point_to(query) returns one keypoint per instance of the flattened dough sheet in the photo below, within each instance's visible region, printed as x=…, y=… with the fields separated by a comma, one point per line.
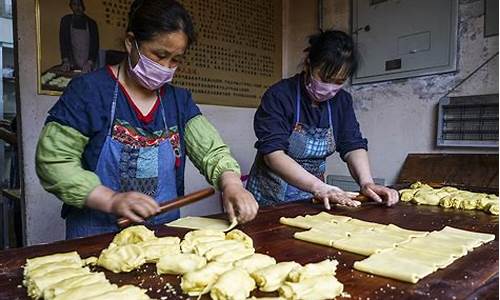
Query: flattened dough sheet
x=203, y=223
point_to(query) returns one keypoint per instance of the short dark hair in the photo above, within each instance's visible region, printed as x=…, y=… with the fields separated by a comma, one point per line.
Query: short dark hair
x=331, y=51
x=81, y=3
x=148, y=18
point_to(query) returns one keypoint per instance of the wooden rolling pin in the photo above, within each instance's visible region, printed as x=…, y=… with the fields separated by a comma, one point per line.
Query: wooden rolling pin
x=176, y=203
x=360, y=198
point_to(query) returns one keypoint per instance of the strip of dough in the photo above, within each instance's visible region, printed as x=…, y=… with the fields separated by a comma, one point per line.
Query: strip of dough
x=203, y=223
x=270, y=278
x=235, y=284
x=128, y=292
x=202, y=248
x=133, y=235
x=200, y=282
x=154, y=249
x=36, y=285
x=32, y=263
x=325, y=267
x=73, y=282
x=357, y=242
x=180, y=263
x=122, y=258
x=314, y=288
x=393, y=266
x=86, y=291
x=396, y=230
x=430, y=259
x=239, y=235
x=435, y=246
x=220, y=250
x=255, y=262
x=483, y=237
x=234, y=255
x=318, y=237
x=52, y=266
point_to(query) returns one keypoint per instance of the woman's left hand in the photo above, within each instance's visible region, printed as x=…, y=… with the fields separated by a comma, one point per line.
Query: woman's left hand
x=239, y=203
x=380, y=193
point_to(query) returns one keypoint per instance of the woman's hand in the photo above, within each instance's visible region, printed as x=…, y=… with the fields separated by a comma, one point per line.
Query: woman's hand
x=331, y=194
x=238, y=202
x=380, y=193
x=134, y=206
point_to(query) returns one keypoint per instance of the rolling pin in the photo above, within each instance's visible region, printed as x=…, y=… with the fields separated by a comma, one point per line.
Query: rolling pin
x=176, y=203
x=359, y=197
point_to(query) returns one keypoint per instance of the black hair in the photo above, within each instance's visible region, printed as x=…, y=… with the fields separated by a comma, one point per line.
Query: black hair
x=148, y=18
x=331, y=51
x=81, y=3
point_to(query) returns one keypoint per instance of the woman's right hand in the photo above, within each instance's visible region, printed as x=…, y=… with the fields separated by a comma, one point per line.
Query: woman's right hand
x=134, y=206
x=331, y=194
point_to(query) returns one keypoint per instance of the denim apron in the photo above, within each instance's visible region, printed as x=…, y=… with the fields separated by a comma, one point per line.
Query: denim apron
x=309, y=146
x=123, y=167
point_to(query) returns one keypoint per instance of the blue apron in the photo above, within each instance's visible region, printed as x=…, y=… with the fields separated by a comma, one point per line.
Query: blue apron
x=309, y=146
x=123, y=168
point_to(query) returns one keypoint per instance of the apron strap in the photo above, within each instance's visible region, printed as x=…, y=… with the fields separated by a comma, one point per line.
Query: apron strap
x=113, y=104
x=297, y=106
x=162, y=110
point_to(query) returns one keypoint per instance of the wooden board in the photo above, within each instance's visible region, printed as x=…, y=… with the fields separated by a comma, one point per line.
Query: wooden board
x=475, y=275
x=477, y=172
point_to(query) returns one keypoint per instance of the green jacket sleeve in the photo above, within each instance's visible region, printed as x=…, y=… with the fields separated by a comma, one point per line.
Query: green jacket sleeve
x=58, y=164
x=207, y=150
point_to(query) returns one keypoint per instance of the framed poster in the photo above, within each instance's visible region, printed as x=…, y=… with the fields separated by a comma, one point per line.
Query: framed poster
x=75, y=37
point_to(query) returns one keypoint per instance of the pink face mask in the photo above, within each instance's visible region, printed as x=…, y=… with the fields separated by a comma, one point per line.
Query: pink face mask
x=149, y=73
x=322, y=91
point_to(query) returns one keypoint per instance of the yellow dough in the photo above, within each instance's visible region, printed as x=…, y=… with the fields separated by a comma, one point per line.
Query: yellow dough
x=235, y=284
x=32, y=263
x=483, y=237
x=49, y=267
x=154, y=249
x=270, y=278
x=73, y=282
x=187, y=245
x=133, y=235
x=234, y=255
x=86, y=291
x=180, y=263
x=128, y=292
x=493, y=209
x=239, y=235
x=122, y=258
x=368, y=242
x=36, y=285
x=393, y=266
x=202, y=248
x=325, y=267
x=392, y=229
x=200, y=282
x=310, y=221
x=255, y=262
x=314, y=288
x=203, y=223
x=437, y=246
x=222, y=249
x=430, y=259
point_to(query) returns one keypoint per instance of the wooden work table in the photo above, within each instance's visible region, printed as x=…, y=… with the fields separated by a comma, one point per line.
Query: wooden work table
x=474, y=276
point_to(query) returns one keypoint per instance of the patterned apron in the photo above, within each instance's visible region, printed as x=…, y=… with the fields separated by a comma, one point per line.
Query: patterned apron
x=309, y=146
x=130, y=161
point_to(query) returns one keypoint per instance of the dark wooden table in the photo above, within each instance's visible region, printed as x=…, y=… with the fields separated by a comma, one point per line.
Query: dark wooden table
x=474, y=276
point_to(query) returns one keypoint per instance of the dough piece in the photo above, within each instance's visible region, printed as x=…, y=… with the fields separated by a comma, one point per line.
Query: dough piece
x=203, y=223
x=485, y=202
x=86, y=291
x=235, y=284
x=483, y=237
x=73, y=282
x=90, y=261
x=200, y=282
x=154, y=249
x=427, y=197
x=32, y=263
x=362, y=225
x=255, y=262
x=310, y=221
x=122, y=258
x=234, y=255
x=393, y=266
x=222, y=249
x=446, y=202
x=319, y=237
x=314, y=288
x=407, y=194
x=204, y=232
x=239, y=235
x=422, y=186
x=493, y=209
x=430, y=259
x=187, y=245
x=52, y=266
x=202, y=248
x=435, y=245
x=36, y=285
x=133, y=235
x=180, y=263
x=128, y=292
x=270, y=278
x=378, y=241
x=325, y=267
x=394, y=230
x=468, y=204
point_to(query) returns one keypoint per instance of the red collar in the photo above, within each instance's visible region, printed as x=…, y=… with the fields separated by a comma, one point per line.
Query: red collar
x=149, y=117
